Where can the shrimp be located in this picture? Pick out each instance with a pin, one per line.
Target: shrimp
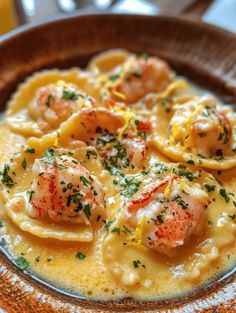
(136, 149)
(64, 191)
(172, 211)
(140, 76)
(200, 126)
(105, 128)
(55, 103)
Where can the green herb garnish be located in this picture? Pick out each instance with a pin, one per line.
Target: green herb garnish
(224, 194)
(30, 150)
(137, 74)
(22, 263)
(210, 188)
(87, 211)
(6, 178)
(31, 192)
(84, 181)
(24, 164)
(49, 99)
(129, 186)
(69, 95)
(80, 256)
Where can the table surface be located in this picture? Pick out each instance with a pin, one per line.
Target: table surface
(218, 12)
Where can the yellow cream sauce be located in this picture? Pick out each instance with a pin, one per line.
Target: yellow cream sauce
(108, 270)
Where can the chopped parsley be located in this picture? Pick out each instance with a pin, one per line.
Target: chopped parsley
(84, 181)
(137, 74)
(116, 230)
(30, 150)
(60, 166)
(107, 224)
(99, 130)
(49, 156)
(137, 264)
(22, 263)
(187, 174)
(87, 211)
(91, 153)
(180, 201)
(69, 95)
(3, 242)
(165, 102)
(6, 178)
(126, 230)
(160, 219)
(24, 164)
(1, 224)
(50, 159)
(136, 123)
(49, 99)
(226, 135)
(129, 186)
(80, 256)
(31, 192)
(104, 139)
(142, 134)
(210, 188)
(190, 162)
(224, 194)
(206, 112)
(114, 77)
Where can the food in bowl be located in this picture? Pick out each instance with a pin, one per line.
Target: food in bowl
(118, 180)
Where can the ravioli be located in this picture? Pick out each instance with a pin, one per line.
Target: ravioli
(103, 191)
(16, 212)
(135, 266)
(22, 118)
(197, 131)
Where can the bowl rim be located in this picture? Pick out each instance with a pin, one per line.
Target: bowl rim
(57, 18)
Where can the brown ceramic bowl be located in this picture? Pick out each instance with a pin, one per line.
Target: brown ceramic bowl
(203, 53)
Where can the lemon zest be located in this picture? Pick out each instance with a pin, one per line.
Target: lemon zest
(171, 88)
(167, 189)
(135, 239)
(119, 94)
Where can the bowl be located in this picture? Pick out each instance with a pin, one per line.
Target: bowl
(203, 53)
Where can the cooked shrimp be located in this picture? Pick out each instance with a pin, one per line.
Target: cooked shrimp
(98, 119)
(55, 103)
(200, 126)
(169, 212)
(64, 191)
(140, 76)
(136, 149)
(115, 139)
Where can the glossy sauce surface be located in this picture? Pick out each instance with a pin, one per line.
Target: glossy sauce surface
(114, 263)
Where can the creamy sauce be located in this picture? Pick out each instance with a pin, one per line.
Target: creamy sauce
(109, 266)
